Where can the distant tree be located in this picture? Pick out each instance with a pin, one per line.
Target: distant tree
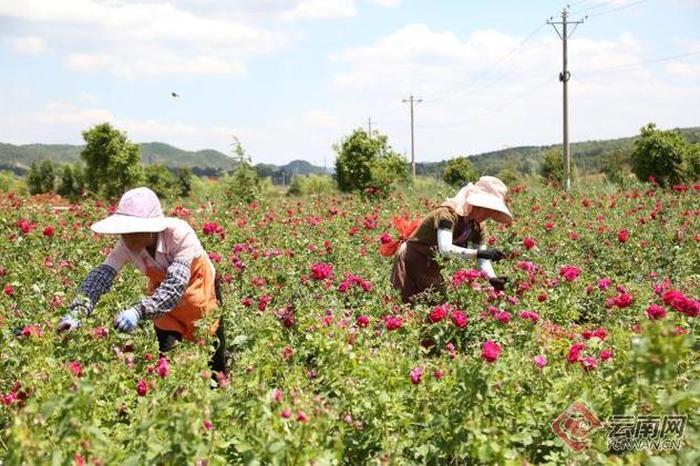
(244, 184)
(111, 161)
(238, 152)
(459, 171)
(691, 164)
(184, 181)
(365, 162)
(660, 154)
(161, 181)
(552, 169)
(509, 176)
(303, 185)
(72, 181)
(616, 169)
(9, 182)
(41, 177)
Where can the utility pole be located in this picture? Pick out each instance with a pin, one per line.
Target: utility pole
(369, 127)
(413, 100)
(564, 77)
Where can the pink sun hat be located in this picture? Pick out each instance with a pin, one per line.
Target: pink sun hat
(489, 192)
(138, 211)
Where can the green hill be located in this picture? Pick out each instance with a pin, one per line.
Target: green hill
(20, 158)
(588, 156)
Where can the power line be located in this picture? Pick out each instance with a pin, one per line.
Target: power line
(646, 62)
(623, 7)
(476, 76)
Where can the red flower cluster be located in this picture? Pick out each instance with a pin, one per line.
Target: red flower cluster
(354, 281)
(75, 368)
(142, 388)
(392, 322)
(25, 226)
(681, 303)
(529, 243)
(162, 367)
(569, 272)
(621, 301)
(490, 351)
(465, 276)
(416, 375)
(213, 228)
(623, 235)
(321, 271)
(656, 312)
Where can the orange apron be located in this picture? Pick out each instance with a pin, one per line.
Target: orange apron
(199, 299)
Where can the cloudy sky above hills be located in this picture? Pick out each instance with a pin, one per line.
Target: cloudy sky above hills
(291, 77)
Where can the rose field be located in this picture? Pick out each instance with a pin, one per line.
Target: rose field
(326, 366)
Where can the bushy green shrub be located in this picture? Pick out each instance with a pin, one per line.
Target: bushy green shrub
(304, 185)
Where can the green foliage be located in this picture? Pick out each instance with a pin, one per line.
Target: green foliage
(161, 181)
(368, 162)
(552, 169)
(184, 181)
(305, 185)
(459, 171)
(9, 183)
(660, 154)
(509, 176)
(242, 186)
(111, 161)
(691, 164)
(616, 169)
(388, 170)
(72, 181)
(41, 178)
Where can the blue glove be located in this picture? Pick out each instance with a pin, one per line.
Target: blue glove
(126, 320)
(68, 322)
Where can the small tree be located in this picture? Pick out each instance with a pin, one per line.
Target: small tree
(616, 169)
(552, 169)
(660, 154)
(72, 181)
(244, 184)
(459, 171)
(161, 181)
(111, 161)
(184, 181)
(41, 178)
(365, 162)
(509, 176)
(691, 164)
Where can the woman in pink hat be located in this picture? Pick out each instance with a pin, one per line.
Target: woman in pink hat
(182, 282)
(452, 230)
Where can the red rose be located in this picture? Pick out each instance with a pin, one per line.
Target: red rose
(490, 351)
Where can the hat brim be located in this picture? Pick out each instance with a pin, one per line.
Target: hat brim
(501, 212)
(122, 224)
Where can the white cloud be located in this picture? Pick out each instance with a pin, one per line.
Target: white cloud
(132, 66)
(386, 3)
(683, 70)
(129, 38)
(484, 91)
(322, 9)
(28, 44)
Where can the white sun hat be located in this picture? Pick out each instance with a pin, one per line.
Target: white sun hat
(138, 211)
(489, 192)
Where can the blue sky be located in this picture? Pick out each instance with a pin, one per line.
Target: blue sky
(290, 78)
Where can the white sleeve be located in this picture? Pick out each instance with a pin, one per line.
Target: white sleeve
(447, 249)
(485, 265)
